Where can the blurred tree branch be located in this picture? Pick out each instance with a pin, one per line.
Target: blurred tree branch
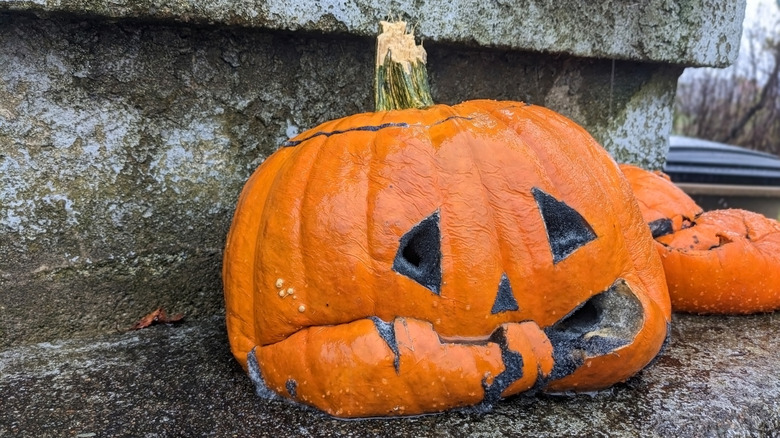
(738, 105)
(769, 89)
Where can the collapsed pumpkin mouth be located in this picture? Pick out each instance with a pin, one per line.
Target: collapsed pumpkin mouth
(604, 323)
(611, 317)
(517, 357)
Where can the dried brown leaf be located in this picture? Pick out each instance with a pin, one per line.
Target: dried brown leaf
(157, 316)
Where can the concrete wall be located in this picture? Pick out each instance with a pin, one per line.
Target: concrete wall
(694, 32)
(128, 128)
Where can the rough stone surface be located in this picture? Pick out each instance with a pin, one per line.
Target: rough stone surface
(697, 32)
(717, 377)
(124, 146)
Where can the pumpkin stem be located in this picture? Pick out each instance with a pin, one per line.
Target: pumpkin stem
(401, 79)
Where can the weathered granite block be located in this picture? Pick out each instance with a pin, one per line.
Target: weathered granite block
(692, 32)
(124, 143)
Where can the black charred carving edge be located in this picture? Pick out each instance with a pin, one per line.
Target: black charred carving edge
(424, 239)
(292, 387)
(567, 230)
(262, 390)
(386, 331)
(660, 227)
(569, 345)
(513, 370)
(505, 299)
(291, 143)
(253, 369)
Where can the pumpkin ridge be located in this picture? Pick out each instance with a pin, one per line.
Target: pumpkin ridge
(496, 235)
(303, 233)
(298, 243)
(490, 107)
(371, 199)
(592, 154)
(301, 162)
(235, 282)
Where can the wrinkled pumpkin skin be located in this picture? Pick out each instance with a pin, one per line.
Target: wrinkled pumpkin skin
(728, 262)
(715, 262)
(665, 208)
(413, 261)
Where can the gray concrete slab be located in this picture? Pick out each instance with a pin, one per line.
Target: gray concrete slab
(697, 32)
(719, 376)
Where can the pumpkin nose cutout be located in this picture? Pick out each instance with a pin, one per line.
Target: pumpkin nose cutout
(419, 254)
(505, 298)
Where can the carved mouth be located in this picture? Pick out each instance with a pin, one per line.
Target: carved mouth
(406, 353)
(602, 324)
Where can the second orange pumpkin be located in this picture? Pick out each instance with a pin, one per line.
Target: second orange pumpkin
(722, 261)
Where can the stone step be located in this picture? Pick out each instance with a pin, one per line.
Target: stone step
(717, 377)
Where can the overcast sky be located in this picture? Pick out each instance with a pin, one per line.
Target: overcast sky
(761, 12)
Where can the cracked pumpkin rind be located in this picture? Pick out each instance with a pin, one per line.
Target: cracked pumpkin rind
(729, 262)
(310, 256)
(665, 207)
(358, 376)
(716, 262)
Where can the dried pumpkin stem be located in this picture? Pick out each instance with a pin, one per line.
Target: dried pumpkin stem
(401, 79)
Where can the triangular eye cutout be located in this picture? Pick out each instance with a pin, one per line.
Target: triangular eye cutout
(419, 254)
(567, 230)
(505, 299)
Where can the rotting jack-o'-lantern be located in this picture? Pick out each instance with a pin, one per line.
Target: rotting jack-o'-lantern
(412, 261)
(718, 261)
(664, 207)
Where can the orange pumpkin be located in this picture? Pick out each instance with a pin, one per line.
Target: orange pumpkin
(729, 262)
(664, 206)
(412, 261)
(722, 261)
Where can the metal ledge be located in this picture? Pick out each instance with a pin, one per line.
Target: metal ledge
(730, 190)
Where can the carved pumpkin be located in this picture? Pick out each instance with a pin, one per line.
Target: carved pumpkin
(728, 262)
(664, 206)
(722, 261)
(411, 261)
